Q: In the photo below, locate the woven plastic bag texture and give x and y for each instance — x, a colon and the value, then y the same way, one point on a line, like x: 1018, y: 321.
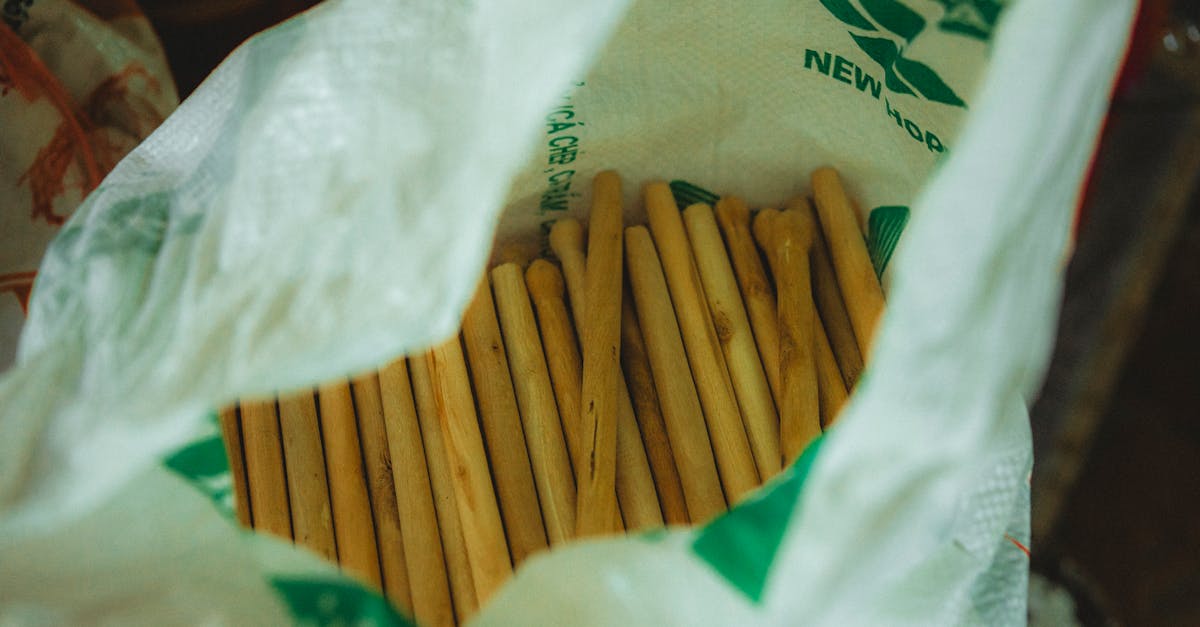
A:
x: 326, y: 201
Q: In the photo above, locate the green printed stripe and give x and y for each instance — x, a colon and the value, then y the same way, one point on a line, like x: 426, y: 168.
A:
x: 847, y: 14
x: 896, y: 17
x: 741, y: 545
x: 884, y: 228
x: 336, y: 602
x: 205, y: 465
x: 687, y: 194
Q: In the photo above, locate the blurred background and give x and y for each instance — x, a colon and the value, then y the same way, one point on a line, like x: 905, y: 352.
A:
x: 1116, y: 484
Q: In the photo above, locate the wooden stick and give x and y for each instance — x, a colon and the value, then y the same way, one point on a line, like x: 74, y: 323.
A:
x: 368, y: 404
x: 352, y: 522
x: 830, y: 387
x: 265, y: 478
x: 737, y: 340
x: 739, y: 475
x: 231, y: 433
x: 545, y: 285
x: 734, y: 218
x: 649, y: 417
x: 308, y: 487
x: 600, y: 338
x: 635, y: 483
x: 830, y: 305
x: 676, y: 390
x: 799, y: 414
x: 478, y: 512
x: 562, y: 354
x: 454, y: 545
x: 764, y: 234
x: 502, y: 426
x: 535, y: 395
x: 431, y: 603
x: 851, y: 262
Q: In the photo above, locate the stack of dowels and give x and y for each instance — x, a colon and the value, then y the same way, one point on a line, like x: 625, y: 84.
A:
x: 573, y: 404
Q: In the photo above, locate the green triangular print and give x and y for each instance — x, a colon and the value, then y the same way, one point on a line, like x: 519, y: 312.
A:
x: 883, y: 233
x: 741, y: 545
x: 896, y: 17
x: 687, y: 194
x: 335, y: 602
x: 926, y: 81
x: 847, y: 14
x: 203, y: 463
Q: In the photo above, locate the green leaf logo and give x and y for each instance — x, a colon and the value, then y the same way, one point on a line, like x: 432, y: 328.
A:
x: 887, y: 27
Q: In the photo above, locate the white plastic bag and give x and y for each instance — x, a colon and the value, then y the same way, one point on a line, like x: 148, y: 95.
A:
x: 326, y: 201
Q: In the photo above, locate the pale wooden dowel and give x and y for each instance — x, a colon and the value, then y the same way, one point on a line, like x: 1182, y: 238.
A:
x: 736, y: 339
x: 431, y: 604
x: 353, y: 525
x: 734, y: 218
x: 562, y: 356
x: 562, y: 352
x: 636, y: 362
x: 739, y: 475
x: 764, y: 234
x: 479, y: 514
x: 831, y: 307
x: 454, y: 545
x: 830, y: 387
x: 600, y: 342
x: 856, y: 277
x: 368, y: 405
x: 264, y: 468
x: 231, y: 433
x: 308, y: 488
x: 501, y: 421
x: 677, y: 394
x: 799, y: 413
x: 535, y: 395
x: 635, y: 483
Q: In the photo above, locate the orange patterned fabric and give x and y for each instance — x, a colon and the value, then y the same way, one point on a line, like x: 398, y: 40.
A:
x: 75, y: 100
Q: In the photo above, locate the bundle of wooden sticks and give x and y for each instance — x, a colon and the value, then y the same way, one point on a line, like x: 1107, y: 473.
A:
x: 582, y: 406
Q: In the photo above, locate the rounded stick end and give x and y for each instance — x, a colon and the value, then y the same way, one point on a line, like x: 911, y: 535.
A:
x: 696, y: 209
x: 763, y: 227
x: 544, y: 279
x: 566, y: 234
x: 801, y: 225
x: 659, y: 197
x: 606, y: 184
x: 505, y: 271
x: 732, y: 210
x: 825, y: 177
x: 634, y: 234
